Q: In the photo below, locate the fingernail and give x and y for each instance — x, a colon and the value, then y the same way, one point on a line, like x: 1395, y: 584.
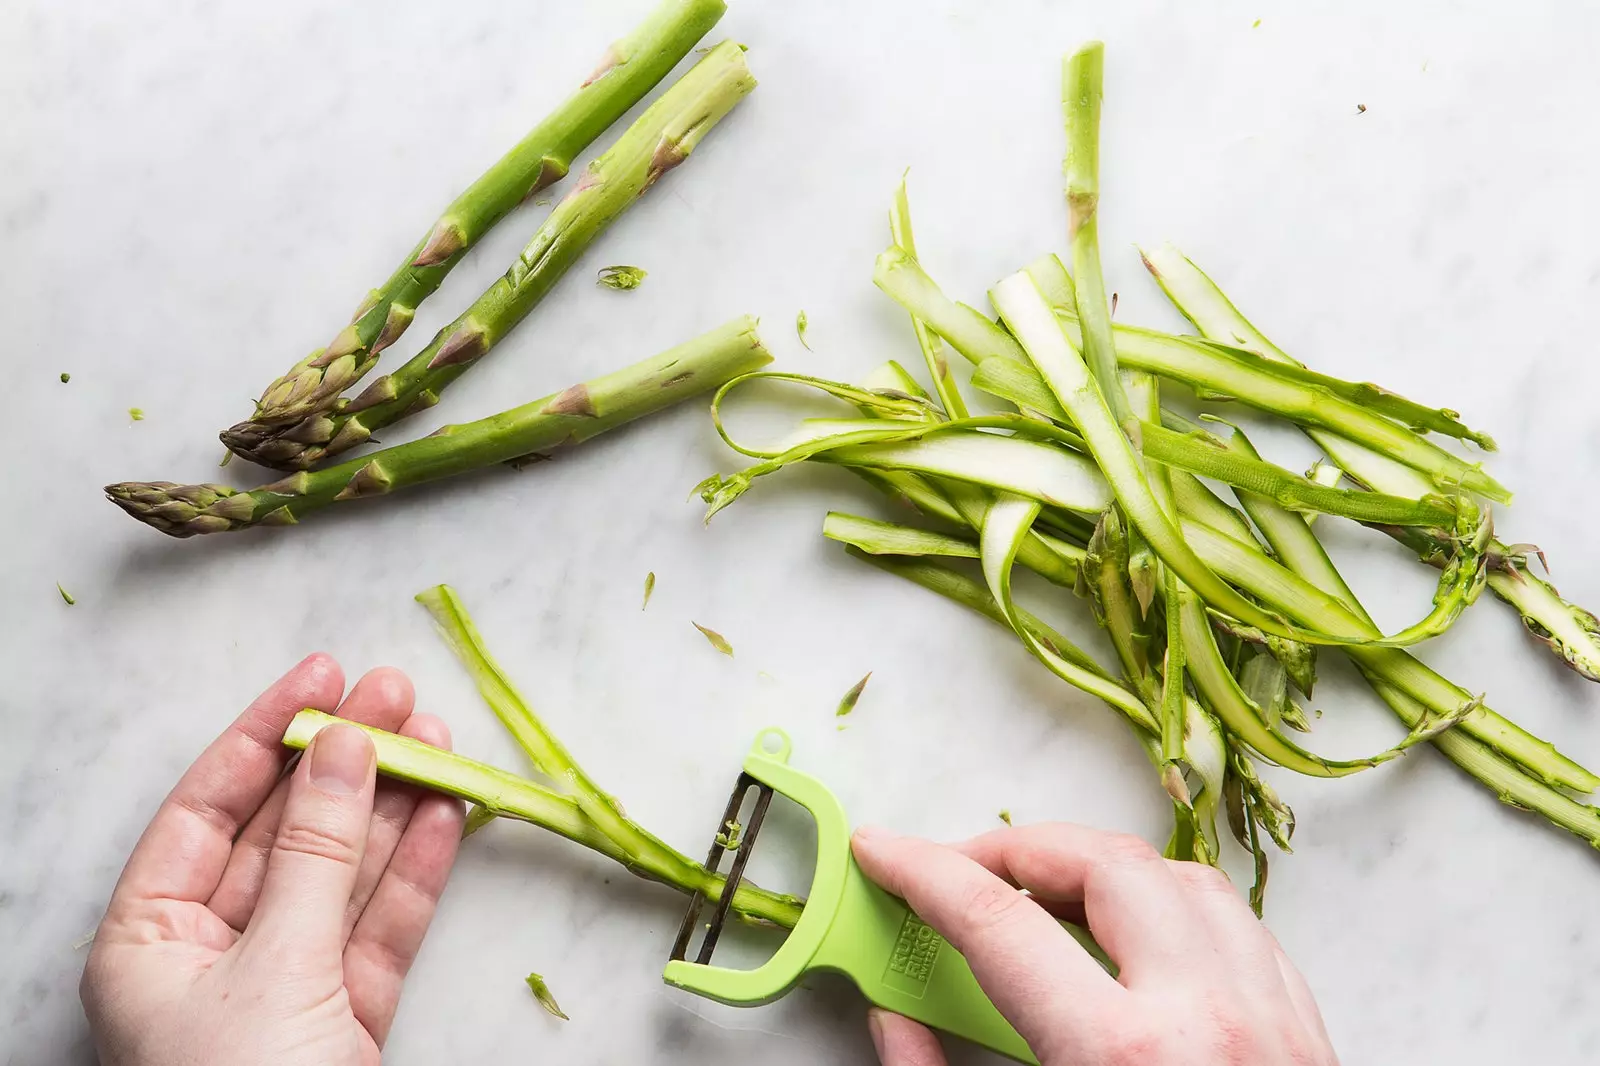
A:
x: 875, y: 1027
x: 872, y: 834
x: 341, y: 759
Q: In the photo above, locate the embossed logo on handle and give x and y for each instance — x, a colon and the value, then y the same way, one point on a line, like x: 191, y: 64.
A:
x: 916, y: 950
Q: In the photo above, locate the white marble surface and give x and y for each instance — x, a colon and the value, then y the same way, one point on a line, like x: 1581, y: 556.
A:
x: 193, y: 195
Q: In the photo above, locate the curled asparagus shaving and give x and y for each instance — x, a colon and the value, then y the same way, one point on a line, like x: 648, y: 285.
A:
x: 1569, y: 630
x: 568, y: 417
x: 510, y: 796
x: 1283, y: 589
x: 642, y: 851
x: 630, y: 68
x: 1245, y: 720
x: 1030, y: 318
x: 878, y: 543
x: 1443, y: 702
x: 1197, y: 452
x: 662, y: 138
x: 1212, y: 369
x: 1523, y: 780
x: 1204, y: 304
x: 1026, y: 463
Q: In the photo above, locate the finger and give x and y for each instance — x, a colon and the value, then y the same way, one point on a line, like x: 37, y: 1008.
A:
x: 390, y: 931
x: 391, y: 815
x: 1241, y: 941
x: 185, y: 849
x: 1135, y: 907
x: 1032, y: 969
x: 903, y: 1042
x: 312, y: 867
x: 382, y: 698
x: 1304, y: 1003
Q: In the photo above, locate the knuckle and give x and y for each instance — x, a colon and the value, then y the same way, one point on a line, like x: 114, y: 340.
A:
x: 991, y: 904
x: 318, y: 841
x: 1204, y: 879
x: 1131, y: 1044
x: 1235, y: 1041
x: 1125, y: 848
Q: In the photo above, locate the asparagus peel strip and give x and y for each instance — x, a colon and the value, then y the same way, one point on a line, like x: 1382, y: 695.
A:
x: 630, y: 68
x: 1198, y: 452
x: 1214, y: 369
x: 1283, y: 589
x: 1082, y: 74
x: 1570, y: 631
x: 953, y: 449
x: 662, y: 138
x: 944, y: 384
x: 509, y: 796
x: 881, y: 544
x: 641, y: 850
x: 1030, y: 318
x: 1526, y: 782
x: 1444, y: 704
x: 568, y: 417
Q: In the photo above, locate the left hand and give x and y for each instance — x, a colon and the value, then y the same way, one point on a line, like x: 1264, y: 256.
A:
x: 272, y: 919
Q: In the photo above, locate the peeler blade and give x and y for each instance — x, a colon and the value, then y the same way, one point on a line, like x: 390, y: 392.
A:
x: 719, y: 849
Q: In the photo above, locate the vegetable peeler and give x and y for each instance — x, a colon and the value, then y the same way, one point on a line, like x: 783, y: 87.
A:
x: 849, y: 925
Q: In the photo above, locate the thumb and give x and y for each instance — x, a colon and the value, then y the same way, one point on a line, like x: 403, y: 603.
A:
x: 311, y: 869
x: 900, y: 1041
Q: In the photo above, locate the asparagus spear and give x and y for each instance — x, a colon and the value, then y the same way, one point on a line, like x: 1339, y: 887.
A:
x: 662, y: 138
x: 510, y: 796
x: 1570, y: 631
x: 568, y: 417
x: 630, y: 68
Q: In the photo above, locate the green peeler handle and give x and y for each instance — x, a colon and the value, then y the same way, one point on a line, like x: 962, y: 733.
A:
x: 853, y: 927
x: 901, y: 964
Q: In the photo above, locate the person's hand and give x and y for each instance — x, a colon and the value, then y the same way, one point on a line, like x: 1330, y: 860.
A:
x: 1201, y: 981
x: 272, y: 919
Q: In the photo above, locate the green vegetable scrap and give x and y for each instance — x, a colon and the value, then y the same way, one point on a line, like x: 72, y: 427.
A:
x: 800, y: 329
x: 65, y: 595
x: 649, y: 587
x: 621, y: 277
x: 717, y: 640
x: 541, y: 992
x: 848, y: 703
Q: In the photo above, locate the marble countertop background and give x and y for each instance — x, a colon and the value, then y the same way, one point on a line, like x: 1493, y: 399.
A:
x: 194, y: 195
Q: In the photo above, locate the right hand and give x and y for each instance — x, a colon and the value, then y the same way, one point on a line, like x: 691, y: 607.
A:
x: 1201, y: 982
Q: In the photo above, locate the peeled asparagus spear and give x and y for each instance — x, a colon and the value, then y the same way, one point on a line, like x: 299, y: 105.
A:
x: 630, y: 68
x: 1570, y: 631
x: 510, y: 796
x: 662, y: 138
x: 568, y: 417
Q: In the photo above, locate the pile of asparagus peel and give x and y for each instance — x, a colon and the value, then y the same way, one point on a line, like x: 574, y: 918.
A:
x: 1092, y: 481
x: 305, y: 417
